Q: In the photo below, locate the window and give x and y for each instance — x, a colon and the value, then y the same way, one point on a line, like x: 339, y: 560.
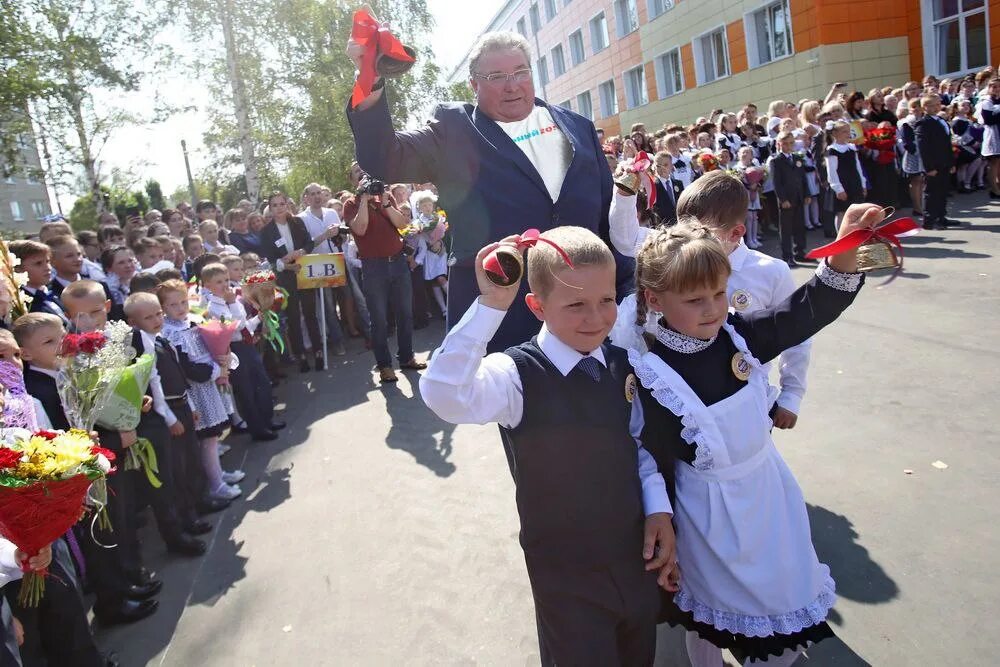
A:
x: 536, y: 22
x: 609, y: 99
x: 769, y: 33
x: 657, y: 7
x: 558, y: 61
x: 521, y: 28
x: 669, y: 79
x: 30, y: 177
x: 15, y: 212
x: 550, y: 10
x: 38, y: 209
x: 584, y: 106
x: 626, y: 16
x: 711, y: 56
x: 9, y: 179
x: 635, y: 87
x: 576, y: 52
x: 543, y: 71
x: 599, y: 33
x: 958, y: 36
x: 566, y: 104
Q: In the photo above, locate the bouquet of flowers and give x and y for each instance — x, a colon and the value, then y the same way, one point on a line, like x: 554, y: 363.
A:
x: 45, y: 477
x: 882, y: 140
x: 260, y: 289
x: 217, y: 334
x: 18, y: 406
x: 13, y: 302
x: 755, y: 175
x: 706, y: 161
x: 89, y: 372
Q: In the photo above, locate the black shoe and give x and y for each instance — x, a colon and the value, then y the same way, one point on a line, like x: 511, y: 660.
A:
x: 947, y: 222
x: 994, y: 195
x: 198, y: 527
x: 143, y: 591
x: 185, y: 545
x: 129, y: 611
x: 964, y: 190
x: 141, y: 577
x: 790, y: 262
x: 802, y: 259
x: 211, y: 506
x: 266, y: 436
x: 277, y: 426
x: 320, y: 366
x: 236, y: 430
x: 111, y: 660
x: 304, y: 366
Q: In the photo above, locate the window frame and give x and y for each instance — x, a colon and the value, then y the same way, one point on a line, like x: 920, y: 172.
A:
x: 566, y: 104
x: 534, y: 18
x: 651, y: 11
x: 750, y: 33
x: 590, y: 105
x: 930, y: 47
x: 661, y: 74
x: 607, y: 33
x: 699, y: 66
x: 38, y: 209
x: 555, y: 10
x: 15, y: 211
x: 522, y: 27
x: 618, y: 21
x: 562, y: 58
x: 641, y: 67
x: 600, y: 95
x: 542, y: 65
x: 583, y: 48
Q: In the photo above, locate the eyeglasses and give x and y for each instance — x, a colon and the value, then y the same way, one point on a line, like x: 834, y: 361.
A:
x: 517, y: 76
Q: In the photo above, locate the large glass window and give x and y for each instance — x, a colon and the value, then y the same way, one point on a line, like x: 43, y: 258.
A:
x: 958, y: 36
x: 536, y: 21
x: 558, y: 61
x: 657, y: 7
x: 635, y: 87
x: 609, y: 99
x: 711, y: 56
x: 769, y: 31
x: 38, y: 209
x: 626, y: 16
x: 599, y: 33
x: 584, y: 105
x: 15, y: 211
x: 543, y: 71
x: 550, y: 10
x: 576, y: 53
x: 669, y: 77
x: 521, y: 28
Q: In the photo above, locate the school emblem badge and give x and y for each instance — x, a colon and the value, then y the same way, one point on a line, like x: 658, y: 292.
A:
x: 741, y: 367
x: 630, y: 388
x: 740, y: 300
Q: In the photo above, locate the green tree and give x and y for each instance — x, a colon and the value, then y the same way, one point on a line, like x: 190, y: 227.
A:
x: 461, y: 92
x: 155, y: 194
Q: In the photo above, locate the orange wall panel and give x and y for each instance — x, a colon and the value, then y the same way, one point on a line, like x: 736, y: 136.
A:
x: 840, y: 21
x: 687, y: 65
x: 737, y: 47
x: 651, y: 89
x: 916, y: 37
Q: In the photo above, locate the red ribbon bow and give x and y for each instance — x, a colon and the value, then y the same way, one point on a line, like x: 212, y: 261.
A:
x: 640, y: 165
x: 889, y: 232
x: 374, y: 38
x: 528, y: 239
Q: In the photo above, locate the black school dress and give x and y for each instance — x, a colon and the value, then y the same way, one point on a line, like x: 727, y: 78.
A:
x: 847, y: 171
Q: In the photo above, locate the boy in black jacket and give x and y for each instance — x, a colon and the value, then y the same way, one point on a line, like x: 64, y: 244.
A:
x: 933, y: 136
x: 788, y: 174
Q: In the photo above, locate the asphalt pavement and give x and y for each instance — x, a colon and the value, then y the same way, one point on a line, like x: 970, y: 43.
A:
x: 372, y: 533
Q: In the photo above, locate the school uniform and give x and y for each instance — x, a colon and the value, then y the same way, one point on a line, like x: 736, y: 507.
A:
x: 249, y: 380
x: 729, y: 141
x: 988, y: 113
x: 276, y: 241
x: 668, y: 191
x: 843, y: 168
x: 203, y: 394
x: 594, y: 602
x: 751, y: 580
x: 683, y: 170
x: 933, y: 138
x: 44, y: 301
x: 790, y: 185
x: 57, y: 285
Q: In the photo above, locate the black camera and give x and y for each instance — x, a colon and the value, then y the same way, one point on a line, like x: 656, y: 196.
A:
x: 371, y: 186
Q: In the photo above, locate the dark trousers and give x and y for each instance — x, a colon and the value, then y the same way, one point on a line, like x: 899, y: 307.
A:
x: 792, y: 228
x: 604, y: 616
x: 936, y: 196
x: 421, y: 314
x: 252, y: 387
x: 190, y: 484
x: 387, y: 279
x: 301, y: 303
x: 56, y: 632
x: 769, y: 210
x: 162, y: 500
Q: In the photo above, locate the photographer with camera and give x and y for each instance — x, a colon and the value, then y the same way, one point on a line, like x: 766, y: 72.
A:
x: 375, y: 223
x: 324, y: 227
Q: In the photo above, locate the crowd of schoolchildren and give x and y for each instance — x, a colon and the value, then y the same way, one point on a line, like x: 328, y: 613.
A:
x: 163, y: 274
x: 804, y: 163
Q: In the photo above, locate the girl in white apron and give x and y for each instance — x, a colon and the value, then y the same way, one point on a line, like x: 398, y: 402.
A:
x: 750, y: 578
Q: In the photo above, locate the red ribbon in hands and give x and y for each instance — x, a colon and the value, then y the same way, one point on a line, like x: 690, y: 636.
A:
x: 374, y: 38
x: 640, y: 165
x: 528, y: 239
x: 889, y: 232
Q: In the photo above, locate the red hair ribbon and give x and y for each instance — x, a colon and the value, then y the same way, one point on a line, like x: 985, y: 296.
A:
x: 889, y: 232
x: 528, y: 239
x: 376, y: 39
x: 641, y: 165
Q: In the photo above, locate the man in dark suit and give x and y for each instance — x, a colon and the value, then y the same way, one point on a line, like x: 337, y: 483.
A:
x: 933, y: 136
x: 668, y: 189
x: 506, y: 164
x: 790, y: 187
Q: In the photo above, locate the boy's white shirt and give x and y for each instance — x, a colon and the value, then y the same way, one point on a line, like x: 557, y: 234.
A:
x: 462, y: 386
x: 766, y: 280
x: 155, y: 386
x: 218, y: 307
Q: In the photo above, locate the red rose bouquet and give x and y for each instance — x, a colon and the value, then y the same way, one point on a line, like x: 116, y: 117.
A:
x: 706, y: 161
x: 882, y: 140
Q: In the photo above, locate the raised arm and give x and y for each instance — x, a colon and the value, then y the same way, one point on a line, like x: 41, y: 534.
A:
x: 626, y: 234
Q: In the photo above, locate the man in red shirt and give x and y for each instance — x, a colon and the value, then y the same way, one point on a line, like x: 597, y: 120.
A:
x: 385, y: 274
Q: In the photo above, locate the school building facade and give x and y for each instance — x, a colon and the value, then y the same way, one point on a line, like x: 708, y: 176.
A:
x: 662, y: 61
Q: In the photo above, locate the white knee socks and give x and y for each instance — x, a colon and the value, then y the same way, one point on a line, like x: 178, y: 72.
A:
x: 439, y: 294
x: 210, y: 462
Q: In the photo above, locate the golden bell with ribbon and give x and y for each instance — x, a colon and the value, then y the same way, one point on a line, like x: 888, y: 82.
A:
x: 876, y: 254
x: 389, y: 67
x: 628, y: 181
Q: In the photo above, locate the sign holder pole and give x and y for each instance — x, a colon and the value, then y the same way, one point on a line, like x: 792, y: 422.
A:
x: 322, y: 320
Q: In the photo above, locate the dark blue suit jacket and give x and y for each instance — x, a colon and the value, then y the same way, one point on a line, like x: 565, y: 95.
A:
x: 488, y: 187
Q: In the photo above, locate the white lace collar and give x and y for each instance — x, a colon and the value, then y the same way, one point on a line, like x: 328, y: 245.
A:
x: 678, y: 342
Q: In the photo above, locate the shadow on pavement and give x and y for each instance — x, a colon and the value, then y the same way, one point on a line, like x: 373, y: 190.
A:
x: 414, y: 428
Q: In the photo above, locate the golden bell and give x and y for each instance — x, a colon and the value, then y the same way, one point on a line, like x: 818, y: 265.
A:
x: 876, y: 254
x: 628, y: 181
x: 509, y: 261
x: 392, y: 68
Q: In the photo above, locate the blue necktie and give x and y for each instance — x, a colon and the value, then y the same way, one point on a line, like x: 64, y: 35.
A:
x: 590, y: 366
